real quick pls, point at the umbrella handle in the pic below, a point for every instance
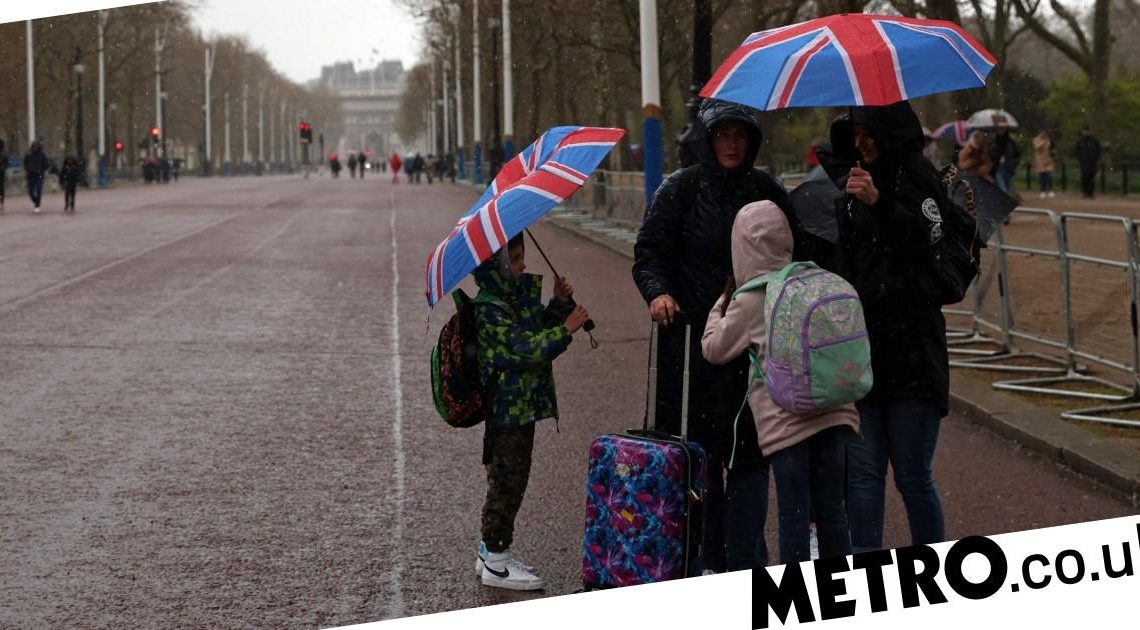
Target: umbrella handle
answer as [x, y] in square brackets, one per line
[589, 325]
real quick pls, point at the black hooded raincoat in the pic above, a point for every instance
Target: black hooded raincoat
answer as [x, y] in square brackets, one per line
[684, 250]
[887, 252]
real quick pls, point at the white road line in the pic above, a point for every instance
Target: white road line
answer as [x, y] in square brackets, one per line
[396, 606]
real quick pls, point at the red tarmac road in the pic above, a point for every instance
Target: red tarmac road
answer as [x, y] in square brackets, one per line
[216, 413]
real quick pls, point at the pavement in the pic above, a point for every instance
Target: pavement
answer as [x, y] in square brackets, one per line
[1113, 462]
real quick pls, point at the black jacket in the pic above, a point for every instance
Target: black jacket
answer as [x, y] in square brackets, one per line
[683, 250]
[1088, 151]
[887, 253]
[35, 162]
[69, 172]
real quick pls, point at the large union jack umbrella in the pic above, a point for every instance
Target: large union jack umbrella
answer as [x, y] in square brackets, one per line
[850, 59]
[539, 178]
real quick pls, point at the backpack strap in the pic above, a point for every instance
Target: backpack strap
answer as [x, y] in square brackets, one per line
[757, 371]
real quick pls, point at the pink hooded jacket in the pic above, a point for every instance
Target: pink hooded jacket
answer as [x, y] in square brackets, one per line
[762, 243]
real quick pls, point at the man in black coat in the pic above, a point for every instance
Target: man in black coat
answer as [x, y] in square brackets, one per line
[890, 234]
[36, 166]
[682, 261]
[1088, 154]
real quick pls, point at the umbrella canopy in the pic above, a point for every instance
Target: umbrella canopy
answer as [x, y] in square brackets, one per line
[813, 202]
[990, 118]
[539, 178]
[848, 60]
[955, 130]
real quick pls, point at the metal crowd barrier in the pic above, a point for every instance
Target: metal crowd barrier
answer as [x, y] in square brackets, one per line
[994, 315]
[1077, 295]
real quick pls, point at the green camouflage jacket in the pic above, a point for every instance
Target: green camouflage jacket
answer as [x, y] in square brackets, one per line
[517, 348]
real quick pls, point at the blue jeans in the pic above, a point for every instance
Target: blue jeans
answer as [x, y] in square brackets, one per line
[735, 510]
[905, 433]
[1003, 178]
[35, 187]
[810, 476]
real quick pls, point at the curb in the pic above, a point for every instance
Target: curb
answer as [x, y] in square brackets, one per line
[1104, 460]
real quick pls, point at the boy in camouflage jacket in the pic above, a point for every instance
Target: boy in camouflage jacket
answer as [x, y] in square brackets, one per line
[518, 340]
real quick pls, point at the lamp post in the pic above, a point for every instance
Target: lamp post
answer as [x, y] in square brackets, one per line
[495, 151]
[476, 103]
[102, 23]
[650, 97]
[79, 68]
[689, 139]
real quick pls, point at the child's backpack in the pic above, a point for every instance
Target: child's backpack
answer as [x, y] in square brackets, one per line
[460, 396]
[818, 354]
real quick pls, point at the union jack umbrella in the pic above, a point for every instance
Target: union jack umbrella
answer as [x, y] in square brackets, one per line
[850, 60]
[539, 178]
[955, 130]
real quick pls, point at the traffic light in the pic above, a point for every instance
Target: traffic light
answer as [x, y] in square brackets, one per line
[306, 132]
[118, 146]
[154, 133]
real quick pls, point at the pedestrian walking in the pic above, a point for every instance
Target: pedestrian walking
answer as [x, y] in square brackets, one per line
[807, 450]
[352, 165]
[36, 166]
[1088, 155]
[3, 172]
[69, 175]
[1005, 157]
[418, 167]
[363, 163]
[975, 156]
[518, 340]
[889, 224]
[395, 163]
[1043, 162]
[334, 166]
[681, 260]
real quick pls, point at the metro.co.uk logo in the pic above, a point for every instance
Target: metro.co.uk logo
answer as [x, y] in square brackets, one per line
[973, 568]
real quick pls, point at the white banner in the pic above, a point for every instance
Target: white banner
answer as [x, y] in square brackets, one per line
[1073, 576]
[19, 10]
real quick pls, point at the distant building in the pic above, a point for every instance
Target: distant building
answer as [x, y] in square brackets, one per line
[369, 101]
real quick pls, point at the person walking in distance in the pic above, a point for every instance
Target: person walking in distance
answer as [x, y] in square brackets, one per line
[69, 180]
[1088, 155]
[36, 166]
[395, 163]
[1043, 162]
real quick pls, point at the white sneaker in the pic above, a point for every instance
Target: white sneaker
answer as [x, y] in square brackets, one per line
[1044, 194]
[37, 209]
[481, 559]
[501, 570]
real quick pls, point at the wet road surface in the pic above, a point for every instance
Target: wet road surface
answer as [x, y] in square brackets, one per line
[217, 413]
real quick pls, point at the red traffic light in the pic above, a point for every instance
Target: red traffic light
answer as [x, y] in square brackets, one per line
[118, 145]
[154, 132]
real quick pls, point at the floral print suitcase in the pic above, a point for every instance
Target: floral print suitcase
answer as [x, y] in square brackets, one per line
[643, 501]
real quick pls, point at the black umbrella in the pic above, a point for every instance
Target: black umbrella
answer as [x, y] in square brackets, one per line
[993, 204]
[813, 203]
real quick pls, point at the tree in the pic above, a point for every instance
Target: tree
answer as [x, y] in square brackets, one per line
[1089, 48]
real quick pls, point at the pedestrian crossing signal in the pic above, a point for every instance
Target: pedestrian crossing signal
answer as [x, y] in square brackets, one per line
[306, 132]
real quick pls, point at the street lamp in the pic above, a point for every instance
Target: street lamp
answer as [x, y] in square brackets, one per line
[79, 68]
[495, 151]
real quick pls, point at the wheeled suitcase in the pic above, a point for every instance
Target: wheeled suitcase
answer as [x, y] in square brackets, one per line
[644, 491]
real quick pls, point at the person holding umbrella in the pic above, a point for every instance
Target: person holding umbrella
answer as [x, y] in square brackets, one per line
[890, 219]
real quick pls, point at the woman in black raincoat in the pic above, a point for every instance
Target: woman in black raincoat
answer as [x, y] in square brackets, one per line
[890, 224]
[682, 260]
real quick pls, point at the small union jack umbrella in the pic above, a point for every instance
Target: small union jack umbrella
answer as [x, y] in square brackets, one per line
[850, 60]
[539, 178]
[955, 130]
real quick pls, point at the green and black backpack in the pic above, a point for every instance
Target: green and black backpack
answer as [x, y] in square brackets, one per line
[461, 397]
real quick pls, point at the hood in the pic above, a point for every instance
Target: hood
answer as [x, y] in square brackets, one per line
[713, 112]
[513, 291]
[895, 128]
[761, 241]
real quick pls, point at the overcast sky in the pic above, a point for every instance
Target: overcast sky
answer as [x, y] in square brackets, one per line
[299, 38]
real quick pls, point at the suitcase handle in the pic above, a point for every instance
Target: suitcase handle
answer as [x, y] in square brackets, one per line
[651, 388]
